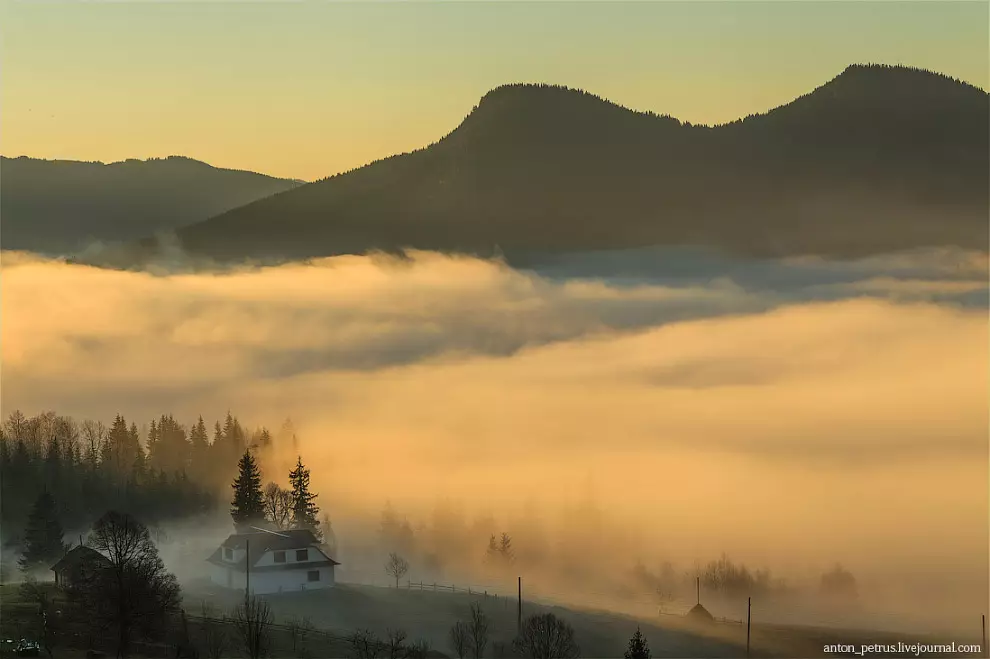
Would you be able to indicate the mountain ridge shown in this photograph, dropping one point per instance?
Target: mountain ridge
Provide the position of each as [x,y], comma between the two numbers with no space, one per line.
[878,158]
[58,206]
[863,163]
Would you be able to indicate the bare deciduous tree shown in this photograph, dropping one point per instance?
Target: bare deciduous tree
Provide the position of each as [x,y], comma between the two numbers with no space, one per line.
[305,628]
[253,620]
[215,637]
[477,628]
[459,639]
[395,643]
[292,626]
[396,567]
[278,505]
[134,592]
[365,644]
[545,636]
[418,650]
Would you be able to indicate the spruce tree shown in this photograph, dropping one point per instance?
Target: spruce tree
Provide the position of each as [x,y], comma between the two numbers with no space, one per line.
[638,647]
[304,511]
[248,504]
[43,544]
[198,439]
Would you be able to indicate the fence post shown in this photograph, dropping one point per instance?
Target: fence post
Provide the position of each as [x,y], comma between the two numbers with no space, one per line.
[983,627]
[749,616]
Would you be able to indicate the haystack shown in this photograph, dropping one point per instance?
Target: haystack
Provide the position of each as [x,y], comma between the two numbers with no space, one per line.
[699,614]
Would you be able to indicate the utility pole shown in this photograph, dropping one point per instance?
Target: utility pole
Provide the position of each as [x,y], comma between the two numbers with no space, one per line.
[247,569]
[699,590]
[519,611]
[749,616]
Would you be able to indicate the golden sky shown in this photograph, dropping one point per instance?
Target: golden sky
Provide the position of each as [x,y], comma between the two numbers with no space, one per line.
[308,89]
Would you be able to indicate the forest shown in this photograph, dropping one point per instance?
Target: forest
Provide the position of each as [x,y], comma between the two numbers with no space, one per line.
[159,474]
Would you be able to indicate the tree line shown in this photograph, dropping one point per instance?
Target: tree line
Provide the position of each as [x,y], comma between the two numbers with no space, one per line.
[164,471]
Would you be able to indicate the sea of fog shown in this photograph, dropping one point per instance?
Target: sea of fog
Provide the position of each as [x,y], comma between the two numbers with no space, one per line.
[608,410]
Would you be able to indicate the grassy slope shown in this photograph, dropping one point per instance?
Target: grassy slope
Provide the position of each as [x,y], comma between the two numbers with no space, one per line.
[428,615]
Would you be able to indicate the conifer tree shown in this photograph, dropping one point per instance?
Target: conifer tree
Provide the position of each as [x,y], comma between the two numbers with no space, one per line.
[638,647]
[248,503]
[304,511]
[43,544]
[198,439]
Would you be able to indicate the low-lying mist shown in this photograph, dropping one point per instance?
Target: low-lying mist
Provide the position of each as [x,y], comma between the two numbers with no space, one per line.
[619,428]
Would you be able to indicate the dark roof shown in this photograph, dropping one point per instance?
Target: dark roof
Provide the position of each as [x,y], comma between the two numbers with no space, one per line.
[262,541]
[80,555]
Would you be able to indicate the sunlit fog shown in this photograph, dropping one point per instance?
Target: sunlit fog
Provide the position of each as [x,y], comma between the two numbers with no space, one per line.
[625,427]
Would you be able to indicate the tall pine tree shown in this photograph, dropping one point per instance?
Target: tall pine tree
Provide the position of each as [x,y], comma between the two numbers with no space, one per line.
[304,511]
[43,544]
[638,647]
[248,505]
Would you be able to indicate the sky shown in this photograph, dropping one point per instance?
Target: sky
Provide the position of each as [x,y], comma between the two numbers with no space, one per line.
[309,89]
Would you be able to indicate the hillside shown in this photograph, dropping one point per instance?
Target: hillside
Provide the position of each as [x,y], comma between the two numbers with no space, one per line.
[878,159]
[54,206]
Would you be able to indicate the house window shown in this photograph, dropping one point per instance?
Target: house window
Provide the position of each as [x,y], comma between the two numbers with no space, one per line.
[313,575]
[302,554]
[228,554]
[280,557]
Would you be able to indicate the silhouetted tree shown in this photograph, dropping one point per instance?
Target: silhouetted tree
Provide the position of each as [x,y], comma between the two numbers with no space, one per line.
[396,567]
[459,639]
[477,628]
[278,505]
[638,647]
[395,643]
[43,544]
[545,636]
[248,504]
[304,510]
[253,620]
[135,593]
[365,644]
[505,549]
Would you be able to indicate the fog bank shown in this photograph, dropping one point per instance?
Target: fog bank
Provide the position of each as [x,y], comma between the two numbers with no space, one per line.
[839,414]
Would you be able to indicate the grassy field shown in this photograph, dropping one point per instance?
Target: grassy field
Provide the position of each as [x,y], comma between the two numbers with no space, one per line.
[429,615]
[426,615]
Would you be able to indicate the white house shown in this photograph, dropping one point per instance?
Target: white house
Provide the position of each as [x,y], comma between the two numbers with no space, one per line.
[272,562]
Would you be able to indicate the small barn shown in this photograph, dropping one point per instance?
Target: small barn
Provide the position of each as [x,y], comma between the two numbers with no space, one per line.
[78,564]
[267,562]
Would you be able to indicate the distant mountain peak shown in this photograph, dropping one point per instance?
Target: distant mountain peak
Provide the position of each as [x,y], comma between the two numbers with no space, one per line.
[899,79]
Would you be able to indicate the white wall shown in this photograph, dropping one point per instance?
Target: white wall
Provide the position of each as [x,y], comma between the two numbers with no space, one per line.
[238,555]
[314,554]
[275,581]
[287,581]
